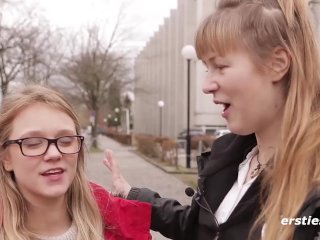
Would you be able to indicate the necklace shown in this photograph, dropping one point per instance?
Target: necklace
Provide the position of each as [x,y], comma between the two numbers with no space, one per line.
[255,172]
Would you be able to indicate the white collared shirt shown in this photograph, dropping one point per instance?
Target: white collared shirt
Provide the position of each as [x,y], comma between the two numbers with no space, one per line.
[237,191]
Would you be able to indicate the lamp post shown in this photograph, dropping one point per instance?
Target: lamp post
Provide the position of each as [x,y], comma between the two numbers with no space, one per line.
[128,98]
[188,53]
[115,119]
[160,105]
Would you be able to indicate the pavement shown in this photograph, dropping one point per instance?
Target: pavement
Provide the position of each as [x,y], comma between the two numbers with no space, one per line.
[137,171]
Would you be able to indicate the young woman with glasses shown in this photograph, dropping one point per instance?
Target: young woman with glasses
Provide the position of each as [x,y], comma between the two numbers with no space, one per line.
[263,180]
[44,190]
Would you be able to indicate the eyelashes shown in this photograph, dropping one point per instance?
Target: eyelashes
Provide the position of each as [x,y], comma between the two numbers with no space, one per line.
[215,68]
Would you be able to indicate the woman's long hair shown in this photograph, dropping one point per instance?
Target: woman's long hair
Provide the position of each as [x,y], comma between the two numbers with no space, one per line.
[81,204]
[260,26]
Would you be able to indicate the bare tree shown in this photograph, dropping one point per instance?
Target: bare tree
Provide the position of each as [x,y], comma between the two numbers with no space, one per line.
[42,56]
[93,68]
[12,42]
[27,51]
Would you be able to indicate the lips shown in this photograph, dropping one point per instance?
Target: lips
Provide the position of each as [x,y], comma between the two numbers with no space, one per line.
[225,113]
[224,104]
[53,171]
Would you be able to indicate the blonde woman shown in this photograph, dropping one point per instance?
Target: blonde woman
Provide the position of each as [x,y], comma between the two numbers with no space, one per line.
[263,180]
[44,190]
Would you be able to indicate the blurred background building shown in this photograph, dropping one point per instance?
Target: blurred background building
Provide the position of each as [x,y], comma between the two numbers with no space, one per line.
[161,74]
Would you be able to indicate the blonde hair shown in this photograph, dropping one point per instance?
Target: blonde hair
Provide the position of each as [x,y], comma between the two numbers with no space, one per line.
[81,204]
[259,26]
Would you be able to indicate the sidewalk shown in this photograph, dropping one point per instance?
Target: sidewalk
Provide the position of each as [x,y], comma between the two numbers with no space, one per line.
[137,171]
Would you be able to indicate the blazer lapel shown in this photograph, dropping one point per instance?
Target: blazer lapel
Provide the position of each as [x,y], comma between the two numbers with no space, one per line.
[249,203]
[231,149]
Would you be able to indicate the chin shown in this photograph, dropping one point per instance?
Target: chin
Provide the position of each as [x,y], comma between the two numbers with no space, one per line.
[56,191]
[240,130]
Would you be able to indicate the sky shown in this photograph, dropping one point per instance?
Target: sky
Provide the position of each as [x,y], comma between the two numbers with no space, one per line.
[146,15]
[58,11]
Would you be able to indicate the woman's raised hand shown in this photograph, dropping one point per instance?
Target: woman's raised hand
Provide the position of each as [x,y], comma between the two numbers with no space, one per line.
[121,187]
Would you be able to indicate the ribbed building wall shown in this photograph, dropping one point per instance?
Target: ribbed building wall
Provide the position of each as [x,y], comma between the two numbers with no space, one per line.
[161,74]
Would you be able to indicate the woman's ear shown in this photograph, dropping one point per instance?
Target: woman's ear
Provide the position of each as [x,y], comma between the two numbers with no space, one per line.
[7,163]
[279,64]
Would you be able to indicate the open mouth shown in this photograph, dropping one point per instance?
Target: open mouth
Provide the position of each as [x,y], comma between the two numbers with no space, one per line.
[225,106]
[51,172]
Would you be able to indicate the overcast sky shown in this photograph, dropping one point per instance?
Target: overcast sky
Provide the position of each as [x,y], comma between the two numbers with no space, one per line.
[147,15]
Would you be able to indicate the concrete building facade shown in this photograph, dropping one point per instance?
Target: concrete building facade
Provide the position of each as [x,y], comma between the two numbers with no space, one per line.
[161,74]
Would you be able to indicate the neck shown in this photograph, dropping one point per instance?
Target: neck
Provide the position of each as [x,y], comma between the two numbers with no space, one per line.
[268,141]
[48,217]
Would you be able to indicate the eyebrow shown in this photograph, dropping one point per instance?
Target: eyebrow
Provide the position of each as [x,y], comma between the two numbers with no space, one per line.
[212,59]
[204,63]
[38,133]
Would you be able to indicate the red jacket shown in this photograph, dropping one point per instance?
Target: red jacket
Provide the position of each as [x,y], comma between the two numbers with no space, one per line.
[123,219]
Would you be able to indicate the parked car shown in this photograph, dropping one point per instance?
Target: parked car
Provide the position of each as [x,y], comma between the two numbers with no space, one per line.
[221,132]
[193,132]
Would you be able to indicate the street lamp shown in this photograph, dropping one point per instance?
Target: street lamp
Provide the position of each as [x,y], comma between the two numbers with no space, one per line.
[128,99]
[188,53]
[115,119]
[160,105]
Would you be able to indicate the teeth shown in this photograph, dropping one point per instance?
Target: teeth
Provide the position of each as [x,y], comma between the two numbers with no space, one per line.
[53,171]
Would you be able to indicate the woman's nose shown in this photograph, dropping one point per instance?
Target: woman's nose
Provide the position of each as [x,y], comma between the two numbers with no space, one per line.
[209,86]
[52,152]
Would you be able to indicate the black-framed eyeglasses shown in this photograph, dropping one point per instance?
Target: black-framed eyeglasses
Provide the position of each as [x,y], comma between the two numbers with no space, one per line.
[37,146]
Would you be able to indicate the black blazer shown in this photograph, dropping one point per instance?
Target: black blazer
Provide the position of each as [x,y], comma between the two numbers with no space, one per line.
[218,170]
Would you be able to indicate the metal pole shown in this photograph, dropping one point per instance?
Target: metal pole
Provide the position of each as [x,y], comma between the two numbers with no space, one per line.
[127,121]
[188,119]
[160,127]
